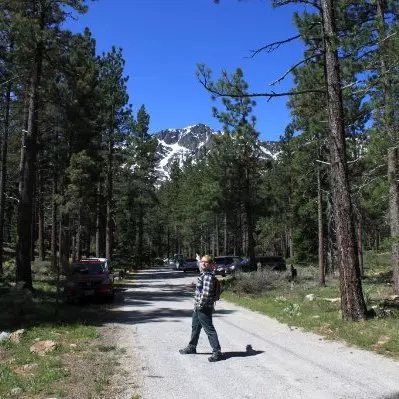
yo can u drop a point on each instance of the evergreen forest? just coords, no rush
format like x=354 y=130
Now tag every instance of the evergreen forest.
x=78 y=164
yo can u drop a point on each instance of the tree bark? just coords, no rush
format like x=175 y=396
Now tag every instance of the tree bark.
x=25 y=211
x=217 y=236
x=64 y=242
x=78 y=242
x=360 y=244
x=109 y=224
x=54 y=224
x=393 y=176
x=98 y=221
x=140 y=232
x=225 y=234
x=40 y=214
x=353 y=306
x=322 y=274
x=3 y=176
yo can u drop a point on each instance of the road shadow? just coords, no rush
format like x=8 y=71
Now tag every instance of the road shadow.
x=248 y=352
x=228 y=355
x=133 y=304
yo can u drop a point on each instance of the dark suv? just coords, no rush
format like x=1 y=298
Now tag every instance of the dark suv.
x=227 y=264
x=270 y=262
x=89 y=278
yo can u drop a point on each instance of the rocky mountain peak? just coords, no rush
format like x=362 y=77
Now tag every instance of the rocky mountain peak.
x=181 y=144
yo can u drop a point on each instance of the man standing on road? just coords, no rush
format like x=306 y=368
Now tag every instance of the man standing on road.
x=203 y=309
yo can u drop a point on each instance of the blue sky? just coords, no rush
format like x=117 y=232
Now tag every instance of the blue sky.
x=164 y=40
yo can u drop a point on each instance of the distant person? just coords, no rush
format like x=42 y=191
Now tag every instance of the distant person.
x=203 y=310
x=294 y=273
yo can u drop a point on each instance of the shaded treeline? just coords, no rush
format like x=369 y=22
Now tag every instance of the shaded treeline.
x=79 y=169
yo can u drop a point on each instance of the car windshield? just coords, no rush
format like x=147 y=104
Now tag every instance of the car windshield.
x=219 y=261
x=232 y=259
x=88 y=268
x=191 y=260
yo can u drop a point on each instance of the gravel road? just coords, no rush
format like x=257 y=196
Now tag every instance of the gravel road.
x=154 y=321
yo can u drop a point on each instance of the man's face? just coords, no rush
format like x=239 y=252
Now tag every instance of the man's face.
x=204 y=264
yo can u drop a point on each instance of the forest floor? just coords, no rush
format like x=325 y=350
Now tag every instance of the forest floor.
x=91 y=357
x=123 y=350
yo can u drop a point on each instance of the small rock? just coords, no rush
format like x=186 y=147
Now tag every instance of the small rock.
x=41 y=347
x=26 y=369
x=16 y=391
x=16 y=336
x=310 y=297
x=4 y=335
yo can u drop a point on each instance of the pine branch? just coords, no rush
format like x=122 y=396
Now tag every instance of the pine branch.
x=236 y=92
x=292 y=69
x=274 y=46
x=9 y=80
x=280 y=3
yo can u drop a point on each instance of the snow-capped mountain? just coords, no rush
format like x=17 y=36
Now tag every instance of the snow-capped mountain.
x=181 y=144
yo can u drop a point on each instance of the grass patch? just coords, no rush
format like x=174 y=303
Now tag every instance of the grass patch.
x=35 y=373
x=80 y=364
x=272 y=294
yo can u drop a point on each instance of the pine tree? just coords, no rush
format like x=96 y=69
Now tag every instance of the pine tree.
x=41 y=19
x=114 y=99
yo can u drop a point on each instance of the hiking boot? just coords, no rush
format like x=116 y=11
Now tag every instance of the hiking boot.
x=188 y=350
x=216 y=356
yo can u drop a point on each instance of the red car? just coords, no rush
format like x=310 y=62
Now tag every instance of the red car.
x=89 y=278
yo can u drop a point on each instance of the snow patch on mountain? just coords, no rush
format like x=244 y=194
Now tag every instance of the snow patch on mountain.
x=181 y=144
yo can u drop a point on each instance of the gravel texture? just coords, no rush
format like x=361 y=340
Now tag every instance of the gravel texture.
x=262 y=358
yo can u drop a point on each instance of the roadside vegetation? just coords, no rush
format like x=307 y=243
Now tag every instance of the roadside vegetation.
x=79 y=175
x=54 y=350
x=304 y=304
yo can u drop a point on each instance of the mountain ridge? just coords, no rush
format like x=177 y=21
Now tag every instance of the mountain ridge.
x=180 y=144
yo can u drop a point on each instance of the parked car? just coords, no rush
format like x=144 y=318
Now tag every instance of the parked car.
x=270 y=262
x=170 y=263
x=89 y=277
x=190 y=265
x=225 y=265
x=178 y=259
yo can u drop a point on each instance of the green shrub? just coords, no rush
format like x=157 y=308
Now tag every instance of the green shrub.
x=255 y=283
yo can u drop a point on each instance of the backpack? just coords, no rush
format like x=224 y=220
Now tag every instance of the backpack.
x=217 y=289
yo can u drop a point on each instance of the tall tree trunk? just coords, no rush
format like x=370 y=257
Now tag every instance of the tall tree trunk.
x=392 y=134
x=40 y=214
x=3 y=176
x=225 y=234
x=217 y=235
x=249 y=215
x=360 y=244
x=78 y=242
x=290 y=242
x=140 y=236
x=34 y=220
x=353 y=306
x=393 y=175
x=25 y=211
x=54 y=224
x=64 y=242
x=109 y=225
x=322 y=274
x=98 y=221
